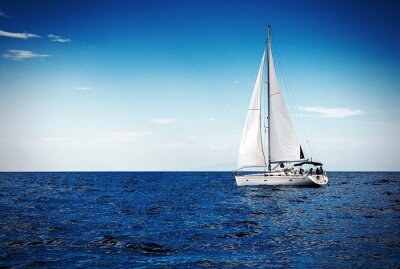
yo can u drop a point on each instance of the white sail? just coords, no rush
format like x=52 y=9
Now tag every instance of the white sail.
x=284 y=143
x=251 y=152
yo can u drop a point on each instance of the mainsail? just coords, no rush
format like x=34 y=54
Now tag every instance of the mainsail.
x=284 y=143
x=251 y=152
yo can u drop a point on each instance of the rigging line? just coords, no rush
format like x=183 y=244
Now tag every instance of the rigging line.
x=295 y=107
x=290 y=98
x=309 y=146
x=286 y=86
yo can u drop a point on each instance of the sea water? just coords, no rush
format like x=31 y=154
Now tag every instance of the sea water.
x=195 y=220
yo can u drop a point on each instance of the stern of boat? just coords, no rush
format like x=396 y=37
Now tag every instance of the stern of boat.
x=319 y=179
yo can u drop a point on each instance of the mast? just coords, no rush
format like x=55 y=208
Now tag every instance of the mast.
x=269 y=107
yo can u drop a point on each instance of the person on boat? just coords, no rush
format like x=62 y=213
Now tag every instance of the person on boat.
x=317 y=172
x=292 y=171
x=301 y=171
x=311 y=170
x=286 y=170
x=322 y=170
x=281 y=168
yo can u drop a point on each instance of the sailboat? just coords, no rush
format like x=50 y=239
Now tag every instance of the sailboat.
x=283 y=145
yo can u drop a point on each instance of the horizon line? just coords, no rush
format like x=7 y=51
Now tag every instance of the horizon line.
x=174 y=171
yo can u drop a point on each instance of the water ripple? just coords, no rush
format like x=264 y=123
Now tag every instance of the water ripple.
x=197 y=220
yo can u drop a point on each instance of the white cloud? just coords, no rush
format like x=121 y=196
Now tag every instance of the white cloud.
x=81 y=88
x=163 y=120
x=112 y=137
x=119 y=136
x=57 y=38
x=56 y=139
x=211 y=119
x=18 y=35
x=17 y=55
x=172 y=145
x=332 y=112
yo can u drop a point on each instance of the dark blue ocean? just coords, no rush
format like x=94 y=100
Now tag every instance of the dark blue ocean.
x=196 y=220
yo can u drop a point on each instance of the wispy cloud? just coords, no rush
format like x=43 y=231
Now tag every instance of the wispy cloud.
x=82 y=88
x=18 y=55
x=57 y=38
x=163 y=120
x=18 y=35
x=119 y=136
x=332 y=112
x=173 y=145
x=56 y=139
x=111 y=137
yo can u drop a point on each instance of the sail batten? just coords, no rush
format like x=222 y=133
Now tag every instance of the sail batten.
x=251 y=153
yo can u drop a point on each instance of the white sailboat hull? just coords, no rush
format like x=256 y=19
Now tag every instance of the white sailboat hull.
x=281 y=180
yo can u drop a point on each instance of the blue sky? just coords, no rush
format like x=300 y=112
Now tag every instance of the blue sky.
x=164 y=85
